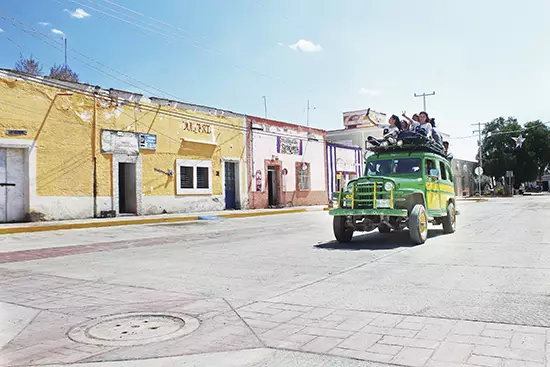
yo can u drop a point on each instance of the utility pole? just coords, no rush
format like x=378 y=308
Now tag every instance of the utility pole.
x=480 y=154
x=265 y=106
x=65 y=38
x=424 y=95
x=307 y=113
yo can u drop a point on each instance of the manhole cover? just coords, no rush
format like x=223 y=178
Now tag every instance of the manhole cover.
x=133 y=329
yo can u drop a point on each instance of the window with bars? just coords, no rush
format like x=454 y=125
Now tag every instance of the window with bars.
x=303 y=177
x=194 y=177
x=186 y=177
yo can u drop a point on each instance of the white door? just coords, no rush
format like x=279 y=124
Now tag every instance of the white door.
x=12 y=185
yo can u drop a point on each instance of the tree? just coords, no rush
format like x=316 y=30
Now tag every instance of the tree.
x=538 y=143
x=501 y=154
x=28 y=65
x=63 y=72
x=498 y=146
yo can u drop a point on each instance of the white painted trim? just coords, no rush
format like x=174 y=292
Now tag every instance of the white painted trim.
x=194 y=164
x=135 y=159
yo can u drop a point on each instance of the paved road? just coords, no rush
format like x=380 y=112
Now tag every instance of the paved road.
x=277 y=291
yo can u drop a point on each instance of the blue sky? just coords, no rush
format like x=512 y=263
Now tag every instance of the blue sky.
x=484 y=59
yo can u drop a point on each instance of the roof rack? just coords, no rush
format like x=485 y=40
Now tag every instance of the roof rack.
x=408 y=141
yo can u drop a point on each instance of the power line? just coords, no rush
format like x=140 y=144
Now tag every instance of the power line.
x=35 y=34
x=152 y=109
x=89 y=58
x=143 y=15
x=195 y=44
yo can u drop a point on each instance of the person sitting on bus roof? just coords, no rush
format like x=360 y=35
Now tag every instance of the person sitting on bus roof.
x=391 y=130
x=414 y=122
x=424 y=128
x=446 y=146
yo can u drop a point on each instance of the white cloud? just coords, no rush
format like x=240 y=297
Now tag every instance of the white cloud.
x=78 y=13
x=1 y=30
x=57 y=31
x=370 y=92
x=44 y=23
x=306 y=46
x=280 y=44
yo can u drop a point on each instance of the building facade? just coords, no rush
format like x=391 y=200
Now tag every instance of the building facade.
x=463 y=173
x=344 y=163
x=287 y=164
x=72 y=150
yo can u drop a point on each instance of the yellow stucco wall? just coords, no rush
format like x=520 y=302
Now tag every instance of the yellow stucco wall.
x=64 y=138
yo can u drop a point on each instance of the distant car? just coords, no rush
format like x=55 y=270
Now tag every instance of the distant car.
x=405 y=186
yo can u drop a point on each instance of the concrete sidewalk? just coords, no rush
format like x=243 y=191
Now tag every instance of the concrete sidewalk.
x=145 y=219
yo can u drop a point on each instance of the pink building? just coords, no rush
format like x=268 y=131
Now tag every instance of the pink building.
x=287 y=164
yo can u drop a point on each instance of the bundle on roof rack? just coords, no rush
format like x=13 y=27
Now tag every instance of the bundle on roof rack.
x=408 y=141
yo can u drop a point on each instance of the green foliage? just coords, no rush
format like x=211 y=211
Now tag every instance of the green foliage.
x=500 y=153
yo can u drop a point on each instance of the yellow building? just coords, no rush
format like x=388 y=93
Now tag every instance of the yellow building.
x=71 y=150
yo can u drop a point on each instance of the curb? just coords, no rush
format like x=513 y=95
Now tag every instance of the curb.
x=116 y=223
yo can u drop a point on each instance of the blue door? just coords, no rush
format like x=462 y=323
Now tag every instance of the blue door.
x=230 y=186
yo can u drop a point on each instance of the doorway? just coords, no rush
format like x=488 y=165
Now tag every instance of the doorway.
x=272 y=186
x=12 y=185
x=127 y=195
x=230 y=173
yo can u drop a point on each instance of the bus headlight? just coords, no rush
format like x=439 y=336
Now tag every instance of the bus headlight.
x=388 y=186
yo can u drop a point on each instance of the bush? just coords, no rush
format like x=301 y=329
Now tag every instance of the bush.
x=499 y=190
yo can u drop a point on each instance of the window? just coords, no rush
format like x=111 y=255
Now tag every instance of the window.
x=303 y=176
x=443 y=171
x=401 y=166
x=193 y=177
x=430 y=164
x=186 y=177
x=203 y=177
x=449 y=173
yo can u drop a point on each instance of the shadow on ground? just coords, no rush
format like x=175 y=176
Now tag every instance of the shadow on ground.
x=376 y=241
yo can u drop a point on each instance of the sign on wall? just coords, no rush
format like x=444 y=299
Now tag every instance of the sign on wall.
x=287 y=145
x=147 y=141
x=119 y=142
x=196 y=127
x=364 y=117
x=345 y=160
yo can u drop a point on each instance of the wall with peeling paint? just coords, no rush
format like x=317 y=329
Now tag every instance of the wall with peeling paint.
x=60 y=180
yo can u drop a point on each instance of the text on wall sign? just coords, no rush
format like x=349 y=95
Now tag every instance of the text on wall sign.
x=196 y=127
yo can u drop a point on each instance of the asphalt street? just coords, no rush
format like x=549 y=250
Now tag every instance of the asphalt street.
x=278 y=291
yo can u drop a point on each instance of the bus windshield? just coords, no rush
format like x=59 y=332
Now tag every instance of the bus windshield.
x=400 y=166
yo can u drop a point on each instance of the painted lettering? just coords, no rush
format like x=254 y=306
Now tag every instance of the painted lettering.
x=196 y=127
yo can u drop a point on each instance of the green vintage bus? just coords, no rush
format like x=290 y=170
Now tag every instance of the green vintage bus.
x=405 y=186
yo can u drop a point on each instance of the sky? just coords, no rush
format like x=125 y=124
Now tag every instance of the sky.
x=483 y=59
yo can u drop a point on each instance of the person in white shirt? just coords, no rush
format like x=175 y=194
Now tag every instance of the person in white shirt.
x=413 y=123
x=425 y=126
x=390 y=130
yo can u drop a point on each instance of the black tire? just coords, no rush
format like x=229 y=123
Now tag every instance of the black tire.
x=384 y=228
x=449 y=222
x=341 y=233
x=418 y=224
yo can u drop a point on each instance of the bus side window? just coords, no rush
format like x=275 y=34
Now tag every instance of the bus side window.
x=443 y=171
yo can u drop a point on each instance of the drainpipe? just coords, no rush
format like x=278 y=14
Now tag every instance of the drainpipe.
x=94 y=159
